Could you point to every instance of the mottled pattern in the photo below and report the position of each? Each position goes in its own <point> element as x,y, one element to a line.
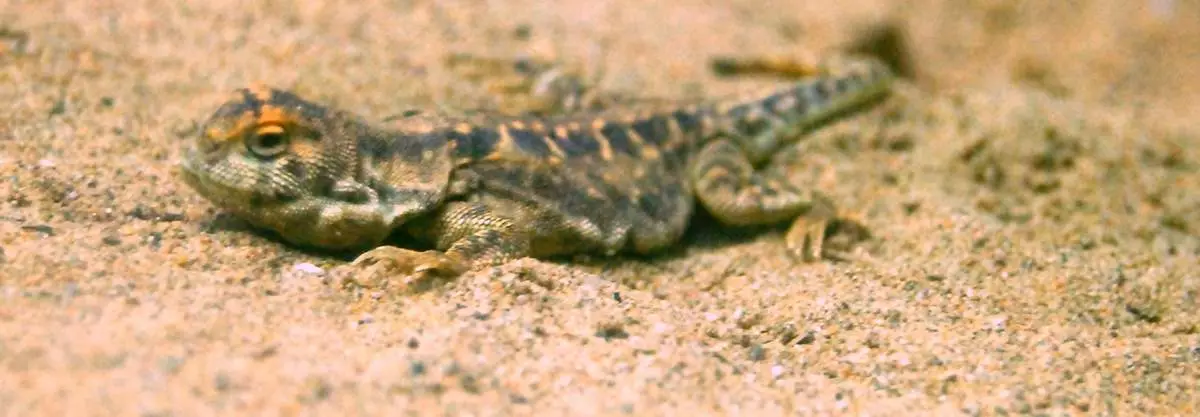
<point>481,193</point>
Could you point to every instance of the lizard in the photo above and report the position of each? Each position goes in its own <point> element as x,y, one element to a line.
<point>484,191</point>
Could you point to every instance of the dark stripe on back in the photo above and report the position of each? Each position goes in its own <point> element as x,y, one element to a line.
<point>402,146</point>
<point>688,121</point>
<point>476,144</point>
<point>530,142</point>
<point>376,147</point>
<point>578,143</point>
<point>618,139</point>
<point>653,130</point>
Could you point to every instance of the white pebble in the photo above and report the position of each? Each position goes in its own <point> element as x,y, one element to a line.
<point>308,268</point>
<point>776,371</point>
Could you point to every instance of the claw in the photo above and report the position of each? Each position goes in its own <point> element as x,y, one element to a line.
<point>806,237</point>
<point>409,262</point>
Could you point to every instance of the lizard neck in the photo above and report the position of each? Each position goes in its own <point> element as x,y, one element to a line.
<point>411,168</point>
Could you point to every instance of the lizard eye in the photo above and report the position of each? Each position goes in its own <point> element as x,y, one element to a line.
<point>268,141</point>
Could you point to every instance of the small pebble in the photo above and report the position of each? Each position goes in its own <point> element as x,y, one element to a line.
<point>416,368</point>
<point>998,322</point>
<point>308,268</point>
<point>757,352</point>
<point>776,371</point>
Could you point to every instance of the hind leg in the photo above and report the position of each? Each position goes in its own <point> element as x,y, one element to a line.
<point>730,187</point>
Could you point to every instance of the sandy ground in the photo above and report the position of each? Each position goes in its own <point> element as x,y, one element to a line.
<point>1032,192</point>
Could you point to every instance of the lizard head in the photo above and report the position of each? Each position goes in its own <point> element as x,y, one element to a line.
<point>288,165</point>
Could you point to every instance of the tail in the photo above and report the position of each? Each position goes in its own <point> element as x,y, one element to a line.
<point>762,124</point>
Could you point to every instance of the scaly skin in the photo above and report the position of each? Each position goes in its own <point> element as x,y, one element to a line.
<point>485,193</point>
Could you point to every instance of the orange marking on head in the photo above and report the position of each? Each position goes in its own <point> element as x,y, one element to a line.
<point>517,124</point>
<point>537,126</point>
<point>561,131</point>
<point>464,128</point>
<point>275,116</point>
<point>232,130</point>
<point>217,134</point>
<point>269,129</point>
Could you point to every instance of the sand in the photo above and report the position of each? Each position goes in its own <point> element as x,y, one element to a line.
<point>1031,192</point>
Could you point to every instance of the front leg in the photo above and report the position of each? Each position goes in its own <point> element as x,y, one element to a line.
<point>466,236</point>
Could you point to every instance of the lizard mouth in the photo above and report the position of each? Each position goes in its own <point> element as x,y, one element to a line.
<point>220,184</point>
<point>187,172</point>
<point>197,176</point>
<point>191,175</point>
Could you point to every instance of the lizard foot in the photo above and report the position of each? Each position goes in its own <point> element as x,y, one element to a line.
<point>388,265</point>
<point>806,237</point>
<point>409,262</point>
<point>807,240</point>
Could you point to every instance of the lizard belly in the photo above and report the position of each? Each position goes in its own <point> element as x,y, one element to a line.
<point>584,206</point>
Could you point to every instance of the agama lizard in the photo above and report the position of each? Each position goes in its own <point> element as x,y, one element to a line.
<point>483,193</point>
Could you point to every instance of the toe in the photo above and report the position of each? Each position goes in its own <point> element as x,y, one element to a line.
<point>379,254</point>
<point>806,238</point>
<point>404,261</point>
